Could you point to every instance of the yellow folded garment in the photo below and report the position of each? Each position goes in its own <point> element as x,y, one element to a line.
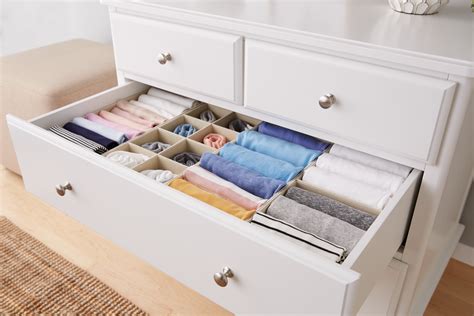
<point>211,199</point>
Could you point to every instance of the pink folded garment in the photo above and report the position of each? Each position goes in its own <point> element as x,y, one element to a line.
<point>214,140</point>
<point>132,117</point>
<point>121,120</point>
<point>140,112</point>
<point>129,132</point>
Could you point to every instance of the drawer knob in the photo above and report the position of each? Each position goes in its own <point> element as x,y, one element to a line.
<point>327,100</point>
<point>222,278</point>
<point>163,58</point>
<point>62,188</point>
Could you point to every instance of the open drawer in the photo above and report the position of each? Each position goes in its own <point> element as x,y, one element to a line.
<point>190,240</point>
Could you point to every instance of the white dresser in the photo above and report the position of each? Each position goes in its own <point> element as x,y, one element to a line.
<point>353,73</point>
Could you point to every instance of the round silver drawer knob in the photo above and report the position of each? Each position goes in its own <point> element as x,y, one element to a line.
<point>327,100</point>
<point>163,58</point>
<point>222,278</point>
<point>62,188</point>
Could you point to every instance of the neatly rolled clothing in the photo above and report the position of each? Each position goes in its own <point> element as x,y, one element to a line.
<point>354,170</point>
<point>78,139</point>
<point>371,161</point>
<point>184,130</point>
<point>122,121</point>
<point>210,182</point>
<point>315,222</point>
<point>331,207</point>
<point>207,116</point>
<point>96,138</point>
<point>266,165</point>
<point>158,175</point>
<point>175,98</point>
<point>133,117</point>
<point>214,140</point>
<point>292,136</point>
<point>187,158</point>
<point>299,237</point>
<point>100,129</point>
<point>348,189</point>
<point>138,109</point>
<point>162,104</point>
<point>156,147</point>
<point>239,125</point>
<point>129,132</point>
<point>211,199</point>
<point>126,158</point>
<point>274,147</point>
<point>243,177</point>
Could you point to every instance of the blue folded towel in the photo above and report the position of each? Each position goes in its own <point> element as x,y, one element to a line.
<point>84,132</point>
<point>263,164</point>
<point>184,130</point>
<point>242,177</point>
<point>277,148</point>
<point>292,136</point>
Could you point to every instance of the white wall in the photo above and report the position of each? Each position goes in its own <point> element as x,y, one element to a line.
<point>28,24</point>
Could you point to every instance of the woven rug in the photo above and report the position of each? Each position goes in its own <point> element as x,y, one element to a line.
<point>36,280</point>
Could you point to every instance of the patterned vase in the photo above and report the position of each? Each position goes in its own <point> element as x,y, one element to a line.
<point>421,7</point>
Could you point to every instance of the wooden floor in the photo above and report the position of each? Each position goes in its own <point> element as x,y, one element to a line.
<point>150,289</point>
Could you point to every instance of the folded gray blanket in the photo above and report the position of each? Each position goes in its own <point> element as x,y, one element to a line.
<point>156,147</point>
<point>187,158</point>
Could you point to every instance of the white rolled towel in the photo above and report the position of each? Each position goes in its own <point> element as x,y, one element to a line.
<point>162,104</point>
<point>100,129</point>
<point>126,158</point>
<point>362,173</point>
<point>158,174</point>
<point>347,189</point>
<point>175,98</point>
<point>371,161</point>
<point>153,109</point>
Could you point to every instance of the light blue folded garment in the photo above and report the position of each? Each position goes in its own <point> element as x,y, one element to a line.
<point>184,130</point>
<point>261,163</point>
<point>277,148</point>
<point>100,129</point>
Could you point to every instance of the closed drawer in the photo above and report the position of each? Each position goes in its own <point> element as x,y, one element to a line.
<point>190,240</point>
<point>202,61</point>
<point>394,111</point>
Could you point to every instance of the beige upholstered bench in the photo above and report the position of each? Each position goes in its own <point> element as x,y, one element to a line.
<point>42,79</point>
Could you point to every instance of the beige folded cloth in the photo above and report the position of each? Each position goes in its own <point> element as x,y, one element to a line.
<point>153,109</point>
<point>140,111</point>
<point>121,120</point>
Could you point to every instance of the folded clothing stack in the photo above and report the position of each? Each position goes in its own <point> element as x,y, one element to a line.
<point>127,159</point>
<point>158,175</point>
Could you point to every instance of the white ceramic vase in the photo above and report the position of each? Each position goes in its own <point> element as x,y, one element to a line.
<point>421,7</point>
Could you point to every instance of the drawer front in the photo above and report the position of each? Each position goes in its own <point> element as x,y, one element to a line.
<point>397,112</point>
<point>202,61</point>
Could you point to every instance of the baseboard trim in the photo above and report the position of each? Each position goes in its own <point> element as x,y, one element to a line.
<point>464,253</point>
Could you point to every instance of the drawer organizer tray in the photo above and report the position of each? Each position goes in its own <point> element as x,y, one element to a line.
<point>190,240</point>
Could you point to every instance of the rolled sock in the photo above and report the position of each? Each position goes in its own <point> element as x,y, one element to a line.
<point>371,161</point>
<point>158,175</point>
<point>277,148</point>
<point>122,121</point>
<point>315,222</point>
<point>331,207</point>
<point>78,139</point>
<point>207,116</point>
<point>175,98</point>
<point>214,140</point>
<point>244,178</point>
<point>132,117</point>
<point>187,158</point>
<point>127,159</point>
<point>84,132</point>
<point>292,136</point>
<point>145,111</point>
<point>346,188</point>
<point>266,165</point>
<point>210,182</point>
<point>299,237</point>
<point>162,104</point>
<point>156,147</point>
<point>360,172</point>
<point>239,125</point>
<point>100,129</point>
<point>184,129</point>
<point>129,132</point>
<point>211,199</point>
